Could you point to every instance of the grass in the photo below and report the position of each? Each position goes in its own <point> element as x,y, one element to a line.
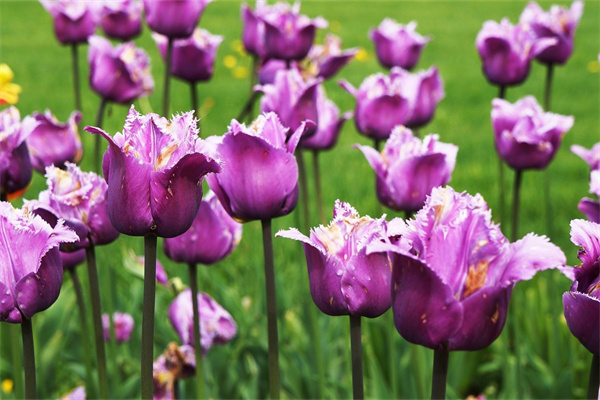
<point>553,364</point>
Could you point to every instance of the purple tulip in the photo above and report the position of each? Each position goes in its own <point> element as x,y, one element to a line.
<point>76,394</point>
<point>344,279</point>
<point>506,51</point>
<point>216,324</point>
<point>259,179</point>
<point>120,74</point>
<point>558,23</point>
<point>253,33</point>
<point>138,269</point>
<point>53,142</point>
<point>123,325</point>
<point>74,20</point>
<point>176,363</point>
<point>270,67</point>
<point>330,124</point>
<point>590,207</point>
<point>30,266</point>
<point>80,199</point>
<point>582,302</point>
<point>525,136</point>
<point>425,89</point>
<point>194,57</point>
<point>154,171</point>
<point>72,259</point>
<point>15,163</point>
<point>121,19</point>
<point>398,45</point>
<point>408,169</point>
<point>325,60</point>
<point>591,156</point>
<point>174,18</point>
<point>454,271</point>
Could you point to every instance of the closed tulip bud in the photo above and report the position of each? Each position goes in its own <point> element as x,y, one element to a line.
<point>121,19</point>
<point>123,325</point>
<point>330,124</point>
<point>398,45</point>
<point>174,18</point>
<point>74,20</point>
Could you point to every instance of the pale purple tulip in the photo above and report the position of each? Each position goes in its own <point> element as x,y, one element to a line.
<point>74,20</point>
<point>408,168</point>
<point>76,394</point>
<point>558,23</point>
<point>325,60</point>
<point>582,302</point>
<point>454,272</point>
<point>31,272</point>
<point>424,89</point>
<point>591,156</point>
<point>174,18</point>
<point>154,171</point>
<point>53,142</point>
<point>123,326</point>
<point>120,74</point>
<point>174,364</point>
<point>344,278</point>
<point>525,136</point>
<point>121,19</point>
<point>398,45</point>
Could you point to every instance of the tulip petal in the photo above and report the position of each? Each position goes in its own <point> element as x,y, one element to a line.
<point>582,313</point>
<point>374,159</point>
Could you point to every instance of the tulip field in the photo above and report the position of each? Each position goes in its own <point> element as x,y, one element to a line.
<point>535,357</point>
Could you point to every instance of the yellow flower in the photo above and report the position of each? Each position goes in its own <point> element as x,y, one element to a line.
<point>7,384</point>
<point>9,92</point>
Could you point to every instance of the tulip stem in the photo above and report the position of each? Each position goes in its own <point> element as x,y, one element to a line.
<point>271,310</point>
<point>501,203</point>
<point>99,118</point>
<point>319,192</point>
<point>168,60</point>
<point>28,358</point>
<point>17,360</point>
<point>76,86</point>
<point>148,315</point>
<point>247,109</point>
<point>303,190</point>
<point>548,87</point>
<point>97,318</point>
<point>594,382</point>
<point>440,373</point>
<point>194,97</point>
<point>3,196</point>
<point>547,198</point>
<point>356,350</point>
<point>85,334</point>
<point>197,332</point>
<point>515,210</point>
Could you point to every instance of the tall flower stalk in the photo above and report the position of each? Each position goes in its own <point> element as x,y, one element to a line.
<point>148,315</point>
<point>76,79</point>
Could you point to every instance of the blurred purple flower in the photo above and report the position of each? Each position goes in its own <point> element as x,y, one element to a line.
<point>270,67</point>
<point>408,168</point>
<point>397,45</point>
<point>53,142</point>
<point>344,279</point>
<point>590,207</point>
<point>161,274</point>
<point>76,394</point>
<point>582,302</point>
<point>123,325</point>
<point>174,364</point>
<point>74,20</point>
<point>154,171</point>
<point>525,136</point>
<point>174,18</point>
<point>253,33</point>
<point>424,89</point>
<point>121,19</point>
<point>120,74</point>
<point>194,57</point>
<point>31,271</point>
<point>325,60</point>
<point>591,156</point>
<point>330,124</point>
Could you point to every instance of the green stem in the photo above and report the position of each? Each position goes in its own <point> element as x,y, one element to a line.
<point>197,332</point>
<point>109,294</point>
<point>303,190</point>
<point>148,315</point>
<point>440,372</point>
<point>194,99</point>
<point>501,203</point>
<point>17,359</point>
<point>273,339</point>
<point>252,96</point>
<point>547,178</point>
<point>515,210</point>
<point>319,192</point>
<point>356,350</point>
<point>317,346</point>
<point>99,118</point>
<point>97,318</point>
<point>76,85</point>
<point>3,195</point>
<point>416,367</point>
<point>168,60</point>
<point>28,358</point>
<point>594,382</point>
<point>377,144</point>
<point>502,92</point>
<point>548,86</point>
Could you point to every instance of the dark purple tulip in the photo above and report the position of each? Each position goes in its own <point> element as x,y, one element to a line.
<point>121,19</point>
<point>525,136</point>
<point>216,324</point>
<point>176,363</point>
<point>212,236</point>
<point>398,45</point>
<point>253,33</point>
<point>154,171</point>
<point>74,20</point>
<point>591,156</point>
<point>454,272</point>
<point>558,23</point>
<point>259,179</point>
<point>270,67</point>
<point>120,74</point>
<point>325,60</point>
<point>506,51</point>
<point>31,271</point>
<point>408,168</point>
<point>330,124</point>
<point>15,163</point>
<point>123,324</point>
<point>72,259</point>
<point>344,278</point>
<point>174,18</point>
<point>425,89</point>
<point>53,142</point>
<point>590,207</point>
<point>582,302</point>
<point>194,57</point>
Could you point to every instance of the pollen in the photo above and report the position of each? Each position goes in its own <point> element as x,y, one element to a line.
<point>475,278</point>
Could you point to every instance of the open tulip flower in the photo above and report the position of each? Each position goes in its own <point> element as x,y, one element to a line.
<point>74,20</point>
<point>53,142</point>
<point>325,60</point>
<point>154,171</point>
<point>174,18</point>
<point>123,326</point>
<point>121,19</point>
<point>407,169</point>
<point>398,45</point>
<point>558,23</point>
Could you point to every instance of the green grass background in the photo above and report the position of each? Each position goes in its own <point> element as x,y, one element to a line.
<point>543,361</point>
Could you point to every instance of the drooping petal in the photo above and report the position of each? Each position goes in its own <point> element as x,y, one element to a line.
<point>582,313</point>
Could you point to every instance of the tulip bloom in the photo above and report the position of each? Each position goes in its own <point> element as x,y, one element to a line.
<point>398,45</point>
<point>325,60</point>
<point>9,91</point>
<point>121,19</point>
<point>30,266</point>
<point>176,363</point>
<point>407,169</point>
<point>194,57</point>
<point>344,278</point>
<point>582,302</point>
<point>454,271</point>
<point>558,23</point>
<point>174,18</point>
<point>120,74</point>
<point>525,136</point>
<point>253,32</point>
<point>123,325</point>
<point>74,20</point>
<point>154,171</point>
<point>53,142</point>
<point>329,126</point>
<point>591,156</point>
<point>72,259</point>
<point>424,89</point>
